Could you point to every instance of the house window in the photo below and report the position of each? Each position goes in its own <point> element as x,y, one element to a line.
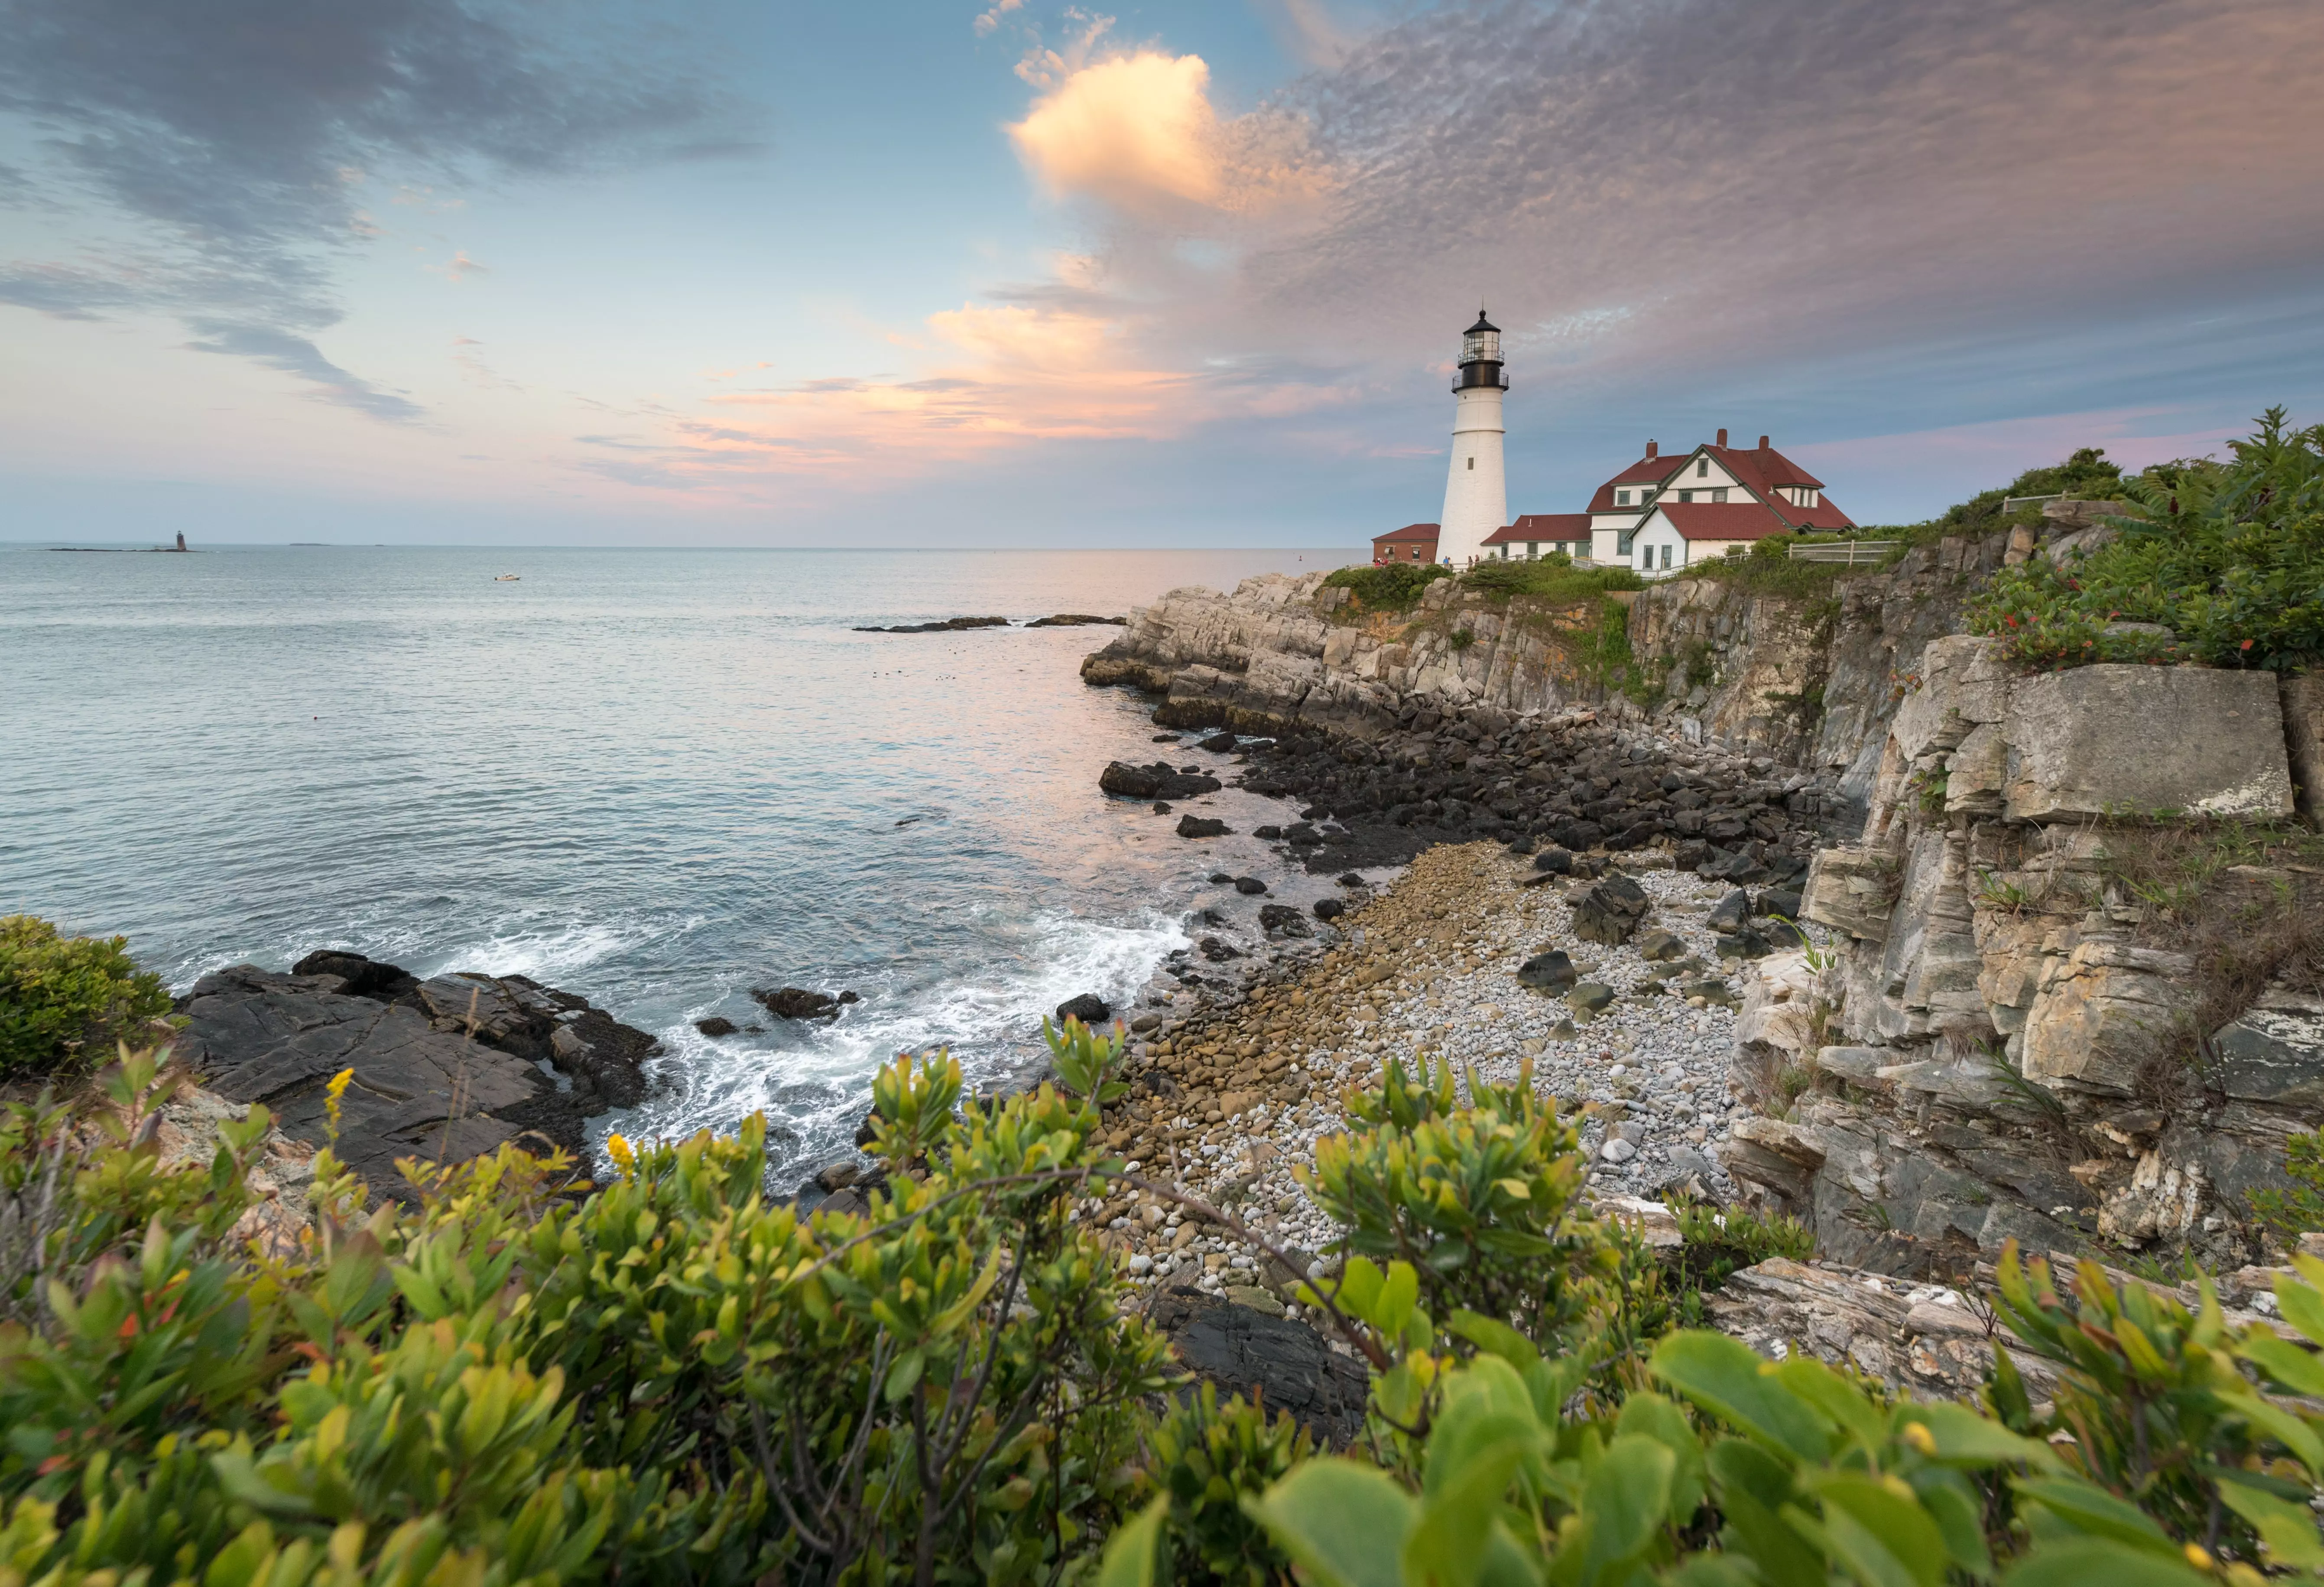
<point>1686,495</point>
<point>1720,495</point>
<point>1666,551</point>
<point>1621,498</point>
<point>1532,550</point>
<point>1702,468</point>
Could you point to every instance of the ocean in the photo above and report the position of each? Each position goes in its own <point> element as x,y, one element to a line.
<point>656,778</point>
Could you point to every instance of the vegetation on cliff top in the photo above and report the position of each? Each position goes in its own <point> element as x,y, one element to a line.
<point>2227,557</point>
<point>671,1378</point>
<point>1394,586</point>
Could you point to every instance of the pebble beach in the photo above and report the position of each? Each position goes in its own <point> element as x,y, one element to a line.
<point>1237,1075</point>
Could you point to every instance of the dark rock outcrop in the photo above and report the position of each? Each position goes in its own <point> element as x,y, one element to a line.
<point>1089,1007</point>
<point>1077,620</point>
<point>1610,911</point>
<point>448,1068</point>
<point>1283,919</point>
<point>1201,827</point>
<point>796,1002</point>
<point>716,1024</point>
<point>1285,1364</point>
<point>1157,782</point>
<point>949,625</point>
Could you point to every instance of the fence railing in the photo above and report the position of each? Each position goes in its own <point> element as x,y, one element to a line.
<point>1854,553</point>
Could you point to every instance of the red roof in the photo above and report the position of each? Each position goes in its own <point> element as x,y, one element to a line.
<point>1542,526</point>
<point>1410,532</point>
<point>1722,520</point>
<point>1764,471</point>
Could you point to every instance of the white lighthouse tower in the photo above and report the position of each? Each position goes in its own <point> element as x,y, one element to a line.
<point>1476,493</point>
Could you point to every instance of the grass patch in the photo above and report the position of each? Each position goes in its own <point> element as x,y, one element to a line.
<point>1395,587</point>
<point>2222,893</point>
<point>1552,578</point>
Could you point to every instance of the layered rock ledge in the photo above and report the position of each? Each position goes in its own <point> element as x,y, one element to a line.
<point>444,1069</point>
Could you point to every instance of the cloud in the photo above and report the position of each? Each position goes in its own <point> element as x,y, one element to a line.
<point>1713,180</point>
<point>1138,132</point>
<point>236,137</point>
<point>990,20</point>
<point>293,355</point>
<point>460,267</point>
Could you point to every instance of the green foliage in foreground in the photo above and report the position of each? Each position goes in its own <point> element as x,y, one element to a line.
<point>2229,556</point>
<point>63,997</point>
<point>670,1378</point>
<point>1394,586</point>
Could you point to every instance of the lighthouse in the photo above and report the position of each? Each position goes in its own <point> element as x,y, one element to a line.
<point>1476,495</point>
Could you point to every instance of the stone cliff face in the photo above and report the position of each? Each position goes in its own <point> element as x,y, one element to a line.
<point>1809,683</point>
<point>2015,1038</point>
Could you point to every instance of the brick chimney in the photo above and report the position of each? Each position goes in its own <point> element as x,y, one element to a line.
<point>1722,438</point>
<point>1650,449</point>
<point>1763,443</point>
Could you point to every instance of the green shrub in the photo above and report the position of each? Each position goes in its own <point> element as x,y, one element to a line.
<point>2229,558</point>
<point>66,1001</point>
<point>1396,586</point>
<point>1718,1243</point>
<point>1551,578</point>
<point>2289,1213</point>
<point>1207,1459</point>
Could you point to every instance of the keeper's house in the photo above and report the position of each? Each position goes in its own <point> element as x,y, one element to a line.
<point>1663,512</point>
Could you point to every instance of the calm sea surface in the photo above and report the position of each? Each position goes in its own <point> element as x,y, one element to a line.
<point>654,778</point>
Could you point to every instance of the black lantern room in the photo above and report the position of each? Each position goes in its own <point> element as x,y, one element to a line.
<point>1481,356</point>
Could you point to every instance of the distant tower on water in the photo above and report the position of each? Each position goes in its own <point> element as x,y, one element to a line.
<point>1476,492</point>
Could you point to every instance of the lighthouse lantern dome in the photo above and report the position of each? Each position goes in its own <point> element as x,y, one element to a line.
<point>1481,344</point>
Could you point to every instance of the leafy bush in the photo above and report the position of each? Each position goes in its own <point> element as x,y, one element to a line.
<point>1396,586</point>
<point>2229,558</point>
<point>1206,1459</point>
<point>65,999</point>
<point>668,1379</point>
<point>1552,578</point>
<point>1718,1243</point>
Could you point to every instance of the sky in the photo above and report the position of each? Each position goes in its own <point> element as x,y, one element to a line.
<point>1012,274</point>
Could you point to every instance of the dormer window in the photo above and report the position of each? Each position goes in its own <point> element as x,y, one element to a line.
<point>1621,498</point>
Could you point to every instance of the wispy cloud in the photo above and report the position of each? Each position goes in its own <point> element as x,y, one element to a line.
<point>295,354</point>
<point>236,138</point>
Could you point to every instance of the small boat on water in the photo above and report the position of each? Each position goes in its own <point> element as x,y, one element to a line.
<point>504,579</point>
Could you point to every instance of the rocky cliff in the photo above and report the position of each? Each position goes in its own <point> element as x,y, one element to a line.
<point>2074,995</point>
<point>1807,680</point>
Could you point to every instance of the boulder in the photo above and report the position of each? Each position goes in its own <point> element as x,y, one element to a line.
<point>1556,861</point>
<point>424,1086</point>
<point>716,1024</point>
<point>1590,996</point>
<point>1157,782</point>
<point>1219,743</point>
<point>1330,908</point>
<point>1202,826</point>
<point>1089,1007</point>
<point>796,1002</point>
<point>1283,919</point>
<point>2092,741</point>
<point>1552,972</point>
<point>1658,945</point>
<point>1729,913</point>
<point>1282,1363</point>
<point>1250,886</point>
<point>1611,910</point>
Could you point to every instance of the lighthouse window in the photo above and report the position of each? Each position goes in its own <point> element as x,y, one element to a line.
<point>1472,465</point>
